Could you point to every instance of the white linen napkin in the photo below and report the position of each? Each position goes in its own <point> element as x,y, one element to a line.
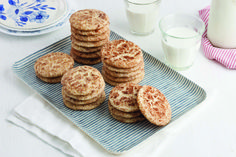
<point>41,119</point>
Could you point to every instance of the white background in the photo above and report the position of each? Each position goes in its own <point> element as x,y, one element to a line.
<point>211,131</point>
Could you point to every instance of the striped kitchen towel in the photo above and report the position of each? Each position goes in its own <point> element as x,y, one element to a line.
<point>227,57</point>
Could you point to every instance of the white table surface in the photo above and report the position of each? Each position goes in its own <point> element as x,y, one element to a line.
<point>211,131</point>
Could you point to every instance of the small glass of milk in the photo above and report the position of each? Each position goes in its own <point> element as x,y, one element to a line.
<point>181,39</point>
<point>142,15</point>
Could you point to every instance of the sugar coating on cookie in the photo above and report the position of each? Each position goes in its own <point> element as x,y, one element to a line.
<point>154,105</point>
<point>123,97</point>
<point>89,19</point>
<point>82,80</point>
<point>121,54</point>
<point>54,64</point>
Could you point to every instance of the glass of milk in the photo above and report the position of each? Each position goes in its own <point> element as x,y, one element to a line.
<point>142,15</point>
<point>181,39</point>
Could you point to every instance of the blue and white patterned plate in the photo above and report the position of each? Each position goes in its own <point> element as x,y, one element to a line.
<point>25,17</point>
<point>114,136</point>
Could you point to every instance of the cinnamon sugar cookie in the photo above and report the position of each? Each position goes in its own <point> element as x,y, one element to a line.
<point>85,49</point>
<point>86,106</point>
<point>113,83</point>
<point>89,43</point>
<point>122,79</point>
<point>96,54</point>
<point>82,80</point>
<point>116,112</point>
<point>81,102</point>
<point>124,70</point>
<point>87,61</point>
<point>121,54</point>
<point>89,19</point>
<point>123,74</point>
<point>128,120</point>
<point>123,97</point>
<point>50,79</point>
<point>154,105</point>
<point>53,64</point>
<point>91,32</point>
<point>99,37</point>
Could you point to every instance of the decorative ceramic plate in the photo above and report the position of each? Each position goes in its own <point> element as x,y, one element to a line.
<point>114,136</point>
<point>29,16</point>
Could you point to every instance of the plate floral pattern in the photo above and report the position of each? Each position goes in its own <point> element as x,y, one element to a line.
<point>24,12</point>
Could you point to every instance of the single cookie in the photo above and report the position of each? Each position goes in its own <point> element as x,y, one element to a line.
<point>87,61</point>
<point>90,96</point>
<point>50,79</point>
<point>96,54</point>
<point>124,70</point>
<point>123,97</point>
<point>82,80</point>
<point>128,120</point>
<point>89,43</point>
<point>99,37</point>
<point>87,106</point>
<point>85,49</point>
<point>92,32</point>
<point>89,19</point>
<point>116,112</point>
<point>113,83</point>
<point>121,79</point>
<point>121,54</point>
<point>123,74</point>
<point>53,64</point>
<point>81,102</point>
<point>154,105</point>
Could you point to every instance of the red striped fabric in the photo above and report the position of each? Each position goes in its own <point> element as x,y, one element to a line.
<point>227,57</point>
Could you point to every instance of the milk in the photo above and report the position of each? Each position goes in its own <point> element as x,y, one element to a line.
<point>142,18</point>
<point>180,47</point>
<point>222,23</point>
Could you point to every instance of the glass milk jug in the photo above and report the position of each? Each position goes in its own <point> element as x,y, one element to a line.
<point>222,23</point>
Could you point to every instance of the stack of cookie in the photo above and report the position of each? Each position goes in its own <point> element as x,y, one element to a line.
<point>51,67</point>
<point>89,32</point>
<point>122,62</point>
<point>123,105</point>
<point>83,88</point>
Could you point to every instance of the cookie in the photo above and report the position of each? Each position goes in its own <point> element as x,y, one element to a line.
<point>123,74</point>
<point>53,64</point>
<point>87,61</point>
<point>123,97</point>
<point>87,106</point>
<point>82,80</point>
<point>90,96</point>
<point>99,37</point>
<point>89,19</point>
<point>113,83</point>
<point>89,43</point>
<point>81,102</point>
<point>92,32</point>
<point>85,49</point>
<point>128,120</point>
<point>116,112</point>
<point>154,105</point>
<point>124,70</point>
<point>121,79</point>
<point>50,79</point>
<point>121,54</point>
<point>96,54</point>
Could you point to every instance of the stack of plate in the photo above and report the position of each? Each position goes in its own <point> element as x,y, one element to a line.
<point>33,17</point>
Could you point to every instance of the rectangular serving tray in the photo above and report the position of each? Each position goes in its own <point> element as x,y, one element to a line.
<point>114,136</point>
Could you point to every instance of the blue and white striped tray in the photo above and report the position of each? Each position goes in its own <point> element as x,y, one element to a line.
<point>114,136</point>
